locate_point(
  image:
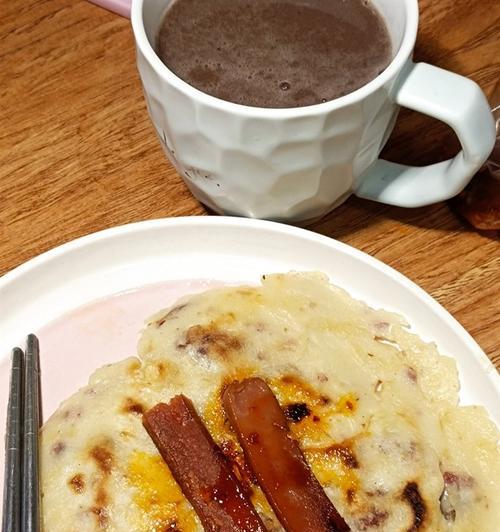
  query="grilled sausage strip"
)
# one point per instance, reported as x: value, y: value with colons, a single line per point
x: 277, y: 461
x: 200, y: 469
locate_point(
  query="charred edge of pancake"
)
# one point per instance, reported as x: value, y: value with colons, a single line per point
x: 411, y: 495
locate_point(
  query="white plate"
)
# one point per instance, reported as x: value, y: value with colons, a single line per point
x: 179, y: 250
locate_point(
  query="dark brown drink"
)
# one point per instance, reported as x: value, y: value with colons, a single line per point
x: 274, y: 53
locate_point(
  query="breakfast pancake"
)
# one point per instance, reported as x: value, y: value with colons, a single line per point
x: 373, y: 407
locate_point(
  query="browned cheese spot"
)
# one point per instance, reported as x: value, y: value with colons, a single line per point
x: 211, y: 341
x: 322, y: 377
x: 412, y: 374
x: 103, y: 458
x: 324, y: 400
x: 350, y: 495
x: 133, y: 367
x: 101, y: 497
x: 77, y: 483
x: 58, y: 448
x: 305, y: 407
x: 296, y: 386
x: 132, y: 406
x: 102, y: 455
x: 411, y: 495
x: 344, y: 452
x: 374, y: 518
x: 101, y: 515
x: 162, y: 370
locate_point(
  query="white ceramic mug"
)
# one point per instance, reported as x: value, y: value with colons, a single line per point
x: 298, y: 164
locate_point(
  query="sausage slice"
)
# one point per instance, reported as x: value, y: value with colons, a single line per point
x: 200, y: 468
x: 277, y: 461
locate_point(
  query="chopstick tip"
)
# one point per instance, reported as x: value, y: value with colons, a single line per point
x: 32, y: 342
x: 17, y: 359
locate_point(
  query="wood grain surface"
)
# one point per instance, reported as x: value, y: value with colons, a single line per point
x: 78, y: 153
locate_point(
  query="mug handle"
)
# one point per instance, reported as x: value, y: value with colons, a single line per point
x: 456, y: 101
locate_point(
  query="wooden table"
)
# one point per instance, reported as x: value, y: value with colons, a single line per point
x: 78, y: 153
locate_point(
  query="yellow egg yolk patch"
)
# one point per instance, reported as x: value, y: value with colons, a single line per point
x: 335, y: 466
x: 163, y: 506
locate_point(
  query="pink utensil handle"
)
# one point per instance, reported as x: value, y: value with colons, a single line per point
x: 122, y: 7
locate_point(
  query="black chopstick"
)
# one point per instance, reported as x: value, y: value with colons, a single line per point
x: 30, y: 503
x: 11, y: 516
x: 21, y: 501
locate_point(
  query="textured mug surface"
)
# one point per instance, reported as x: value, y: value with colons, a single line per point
x: 288, y: 164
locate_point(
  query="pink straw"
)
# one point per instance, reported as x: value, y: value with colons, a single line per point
x: 122, y: 7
